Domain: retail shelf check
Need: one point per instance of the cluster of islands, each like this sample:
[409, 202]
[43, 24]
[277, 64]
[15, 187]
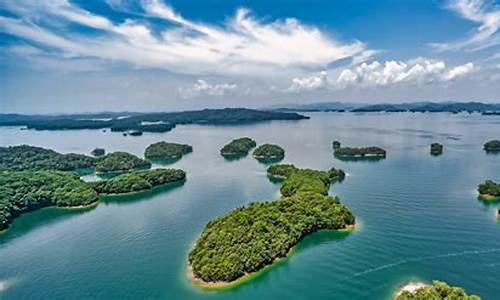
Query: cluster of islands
[231, 247]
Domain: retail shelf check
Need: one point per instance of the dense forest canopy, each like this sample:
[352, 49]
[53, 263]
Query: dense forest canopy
[138, 181]
[26, 157]
[147, 122]
[164, 150]
[268, 151]
[98, 152]
[238, 147]
[249, 238]
[492, 146]
[121, 161]
[437, 291]
[23, 191]
[489, 188]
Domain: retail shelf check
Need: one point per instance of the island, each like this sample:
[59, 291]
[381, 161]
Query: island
[438, 290]
[138, 181]
[436, 149]
[97, 152]
[25, 157]
[492, 146]
[269, 151]
[359, 153]
[336, 145]
[489, 190]
[165, 151]
[238, 147]
[121, 161]
[24, 191]
[145, 122]
[249, 238]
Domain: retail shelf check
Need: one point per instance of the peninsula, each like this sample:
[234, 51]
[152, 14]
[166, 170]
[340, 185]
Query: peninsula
[26, 157]
[165, 151]
[24, 191]
[238, 147]
[357, 153]
[250, 238]
[438, 290]
[489, 190]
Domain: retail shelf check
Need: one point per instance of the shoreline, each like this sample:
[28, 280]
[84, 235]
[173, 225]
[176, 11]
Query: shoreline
[488, 197]
[84, 206]
[215, 285]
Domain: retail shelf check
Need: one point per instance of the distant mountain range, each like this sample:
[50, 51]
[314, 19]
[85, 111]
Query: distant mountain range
[453, 107]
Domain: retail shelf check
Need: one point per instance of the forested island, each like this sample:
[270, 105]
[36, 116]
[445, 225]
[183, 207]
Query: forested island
[269, 151]
[250, 238]
[120, 161]
[165, 151]
[492, 146]
[436, 149]
[489, 190]
[24, 191]
[26, 157]
[356, 153]
[145, 122]
[138, 181]
[437, 291]
[238, 147]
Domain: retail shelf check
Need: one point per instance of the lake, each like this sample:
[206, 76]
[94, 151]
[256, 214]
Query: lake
[418, 216]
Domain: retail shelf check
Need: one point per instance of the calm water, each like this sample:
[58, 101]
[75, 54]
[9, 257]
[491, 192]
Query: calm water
[419, 217]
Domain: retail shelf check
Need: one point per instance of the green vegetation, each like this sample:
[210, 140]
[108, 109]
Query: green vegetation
[238, 147]
[492, 146]
[121, 161]
[436, 149]
[366, 152]
[252, 237]
[138, 181]
[335, 145]
[164, 150]
[269, 151]
[98, 152]
[489, 190]
[146, 122]
[23, 191]
[26, 157]
[438, 290]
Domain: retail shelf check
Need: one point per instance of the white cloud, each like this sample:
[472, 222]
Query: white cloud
[486, 15]
[309, 83]
[393, 72]
[242, 45]
[203, 88]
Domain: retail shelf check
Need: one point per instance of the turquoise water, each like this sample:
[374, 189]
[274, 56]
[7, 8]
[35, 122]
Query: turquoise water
[418, 216]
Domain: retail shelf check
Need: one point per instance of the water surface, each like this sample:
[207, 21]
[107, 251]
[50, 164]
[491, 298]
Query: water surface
[418, 216]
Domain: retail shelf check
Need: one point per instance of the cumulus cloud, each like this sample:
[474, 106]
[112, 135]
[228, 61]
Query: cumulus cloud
[203, 88]
[242, 45]
[393, 72]
[309, 83]
[481, 12]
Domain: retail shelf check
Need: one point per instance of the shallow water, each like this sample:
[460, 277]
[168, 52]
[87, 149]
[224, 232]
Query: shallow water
[418, 216]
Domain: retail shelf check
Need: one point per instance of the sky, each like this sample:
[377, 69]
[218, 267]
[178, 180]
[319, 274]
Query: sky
[59, 56]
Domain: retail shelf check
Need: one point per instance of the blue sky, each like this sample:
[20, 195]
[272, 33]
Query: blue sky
[154, 55]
